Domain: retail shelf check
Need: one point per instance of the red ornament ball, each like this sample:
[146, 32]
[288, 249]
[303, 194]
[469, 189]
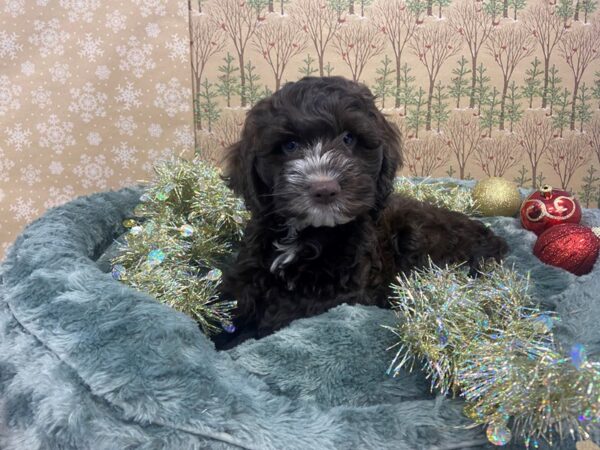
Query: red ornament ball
[569, 246]
[548, 207]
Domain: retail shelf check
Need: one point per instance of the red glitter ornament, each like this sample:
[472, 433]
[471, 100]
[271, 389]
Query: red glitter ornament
[569, 246]
[548, 207]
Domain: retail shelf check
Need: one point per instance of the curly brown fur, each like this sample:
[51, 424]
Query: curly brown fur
[315, 165]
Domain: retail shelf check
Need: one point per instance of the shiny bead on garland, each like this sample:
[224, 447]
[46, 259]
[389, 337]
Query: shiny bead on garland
[164, 194]
[186, 230]
[213, 275]
[118, 272]
[544, 322]
[128, 223]
[228, 327]
[498, 434]
[578, 355]
[155, 257]
[136, 230]
[497, 197]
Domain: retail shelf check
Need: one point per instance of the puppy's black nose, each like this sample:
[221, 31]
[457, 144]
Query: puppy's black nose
[324, 191]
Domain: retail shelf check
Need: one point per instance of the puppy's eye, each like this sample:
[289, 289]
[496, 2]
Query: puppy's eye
[290, 146]
[349, 138]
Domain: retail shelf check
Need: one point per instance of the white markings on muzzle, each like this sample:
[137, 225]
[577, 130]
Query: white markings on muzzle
[314, 165]
[317, 165]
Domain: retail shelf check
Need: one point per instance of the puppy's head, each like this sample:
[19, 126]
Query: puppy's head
[317, 152]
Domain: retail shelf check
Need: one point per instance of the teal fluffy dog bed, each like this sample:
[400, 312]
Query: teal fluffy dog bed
[87, 362]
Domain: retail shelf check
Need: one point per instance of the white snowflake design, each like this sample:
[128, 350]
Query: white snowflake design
[27, 68]
[155, 130]
[41, 97]
[184, 136]
[172, 97]
[59, 196]
[18, 138]
[178, 48]
[9, 95]
[126, 125]
[5, 166]
[24, 210]
[135, 57]
[116, 21]
[129, 96]
[56, 168]
[2, 195]
[88, 103]
[103, 72]
[15, 8]
[124, 155]
[124, 182]
[182, 9]
[9, 45]
[149, 7]
[156, 156]
[94, 138]
[30, 175]
[42, 2]
[56, 134]
[80, 9]
[152, 30]
[49, 37]
[93, 171]
[90, 47]
[60, 72]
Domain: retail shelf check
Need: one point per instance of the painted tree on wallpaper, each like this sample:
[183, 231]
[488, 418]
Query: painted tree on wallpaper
[470, 21]
[580, 47]
[433, 46]
[278, 41]
[320, 23]
[496, 156]
[398, 25]
[424, 156]
[357, 43]
[508, 45]
[240, 21]
[463, 137]
[548, 30]
[207, 40]
[495, 87]
[534, 134]
[568, 155]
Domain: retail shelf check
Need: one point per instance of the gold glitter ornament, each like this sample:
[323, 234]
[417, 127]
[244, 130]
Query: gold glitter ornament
[497, 197]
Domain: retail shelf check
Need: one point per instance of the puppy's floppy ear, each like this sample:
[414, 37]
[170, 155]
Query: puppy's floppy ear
[391, 161]
[240, 175]
[391, 146]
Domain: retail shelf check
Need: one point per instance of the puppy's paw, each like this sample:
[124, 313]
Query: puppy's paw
[488, 246]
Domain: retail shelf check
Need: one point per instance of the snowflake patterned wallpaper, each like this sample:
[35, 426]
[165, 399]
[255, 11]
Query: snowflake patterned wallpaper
[93, 93]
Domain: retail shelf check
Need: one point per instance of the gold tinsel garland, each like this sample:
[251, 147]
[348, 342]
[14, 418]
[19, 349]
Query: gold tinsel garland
[187, 223]
[439, 193]
[486, 340]
[480, 338]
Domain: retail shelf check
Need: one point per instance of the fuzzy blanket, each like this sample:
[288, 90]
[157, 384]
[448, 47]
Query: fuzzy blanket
[87, 362]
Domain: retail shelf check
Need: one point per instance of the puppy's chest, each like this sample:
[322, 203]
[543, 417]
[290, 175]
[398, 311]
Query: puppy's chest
[323, 268]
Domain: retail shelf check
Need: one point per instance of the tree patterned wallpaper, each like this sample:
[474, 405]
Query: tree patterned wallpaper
[92, 95]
